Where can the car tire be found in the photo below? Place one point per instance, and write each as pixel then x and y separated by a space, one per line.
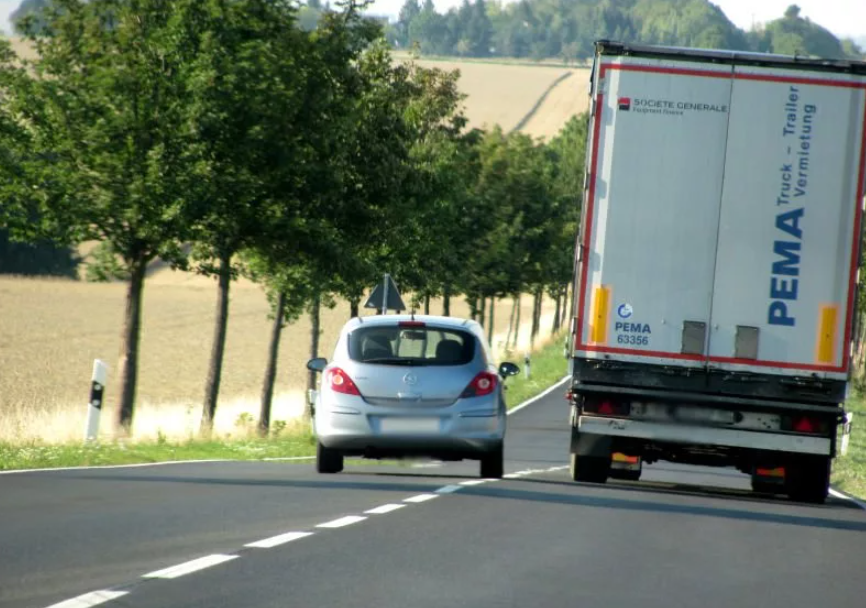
pixel 328 460
pixel 590 469
pixel 492 464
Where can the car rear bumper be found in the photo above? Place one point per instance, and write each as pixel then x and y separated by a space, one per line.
pixel 437 432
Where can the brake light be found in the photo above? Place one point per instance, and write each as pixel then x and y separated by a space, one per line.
pixel 605 406
pixel 806 424
pixel 482 384
pixel 340 382
pixel 411 324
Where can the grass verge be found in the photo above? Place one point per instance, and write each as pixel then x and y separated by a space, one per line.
pixel 41 456
pixel 849 471
pixel 547 365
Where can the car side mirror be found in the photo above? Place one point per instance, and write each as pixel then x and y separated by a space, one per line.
pixel 317 365
pixel 507 368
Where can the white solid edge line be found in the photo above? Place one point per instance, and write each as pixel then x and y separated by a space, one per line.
pixel 384 509
pixel 191 566
pixel 420 498
pixel 343 521
pixel 280 539
pixel 844 496
pixel 120 466
pixel 544 393
pixel 94 598
pixel 448 489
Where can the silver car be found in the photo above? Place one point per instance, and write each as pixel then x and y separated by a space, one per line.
pixel 410 386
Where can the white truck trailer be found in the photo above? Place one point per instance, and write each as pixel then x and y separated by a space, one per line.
pixel 717 264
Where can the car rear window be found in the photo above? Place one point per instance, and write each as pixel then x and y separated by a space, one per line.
pixel 393 345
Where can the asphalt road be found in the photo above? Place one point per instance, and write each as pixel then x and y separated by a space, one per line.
pixel 437 536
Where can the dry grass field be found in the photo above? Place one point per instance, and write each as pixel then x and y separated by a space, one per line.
pixel 504 94
pixel 52 330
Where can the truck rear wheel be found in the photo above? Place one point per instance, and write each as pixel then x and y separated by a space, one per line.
pixel 809 479
pixel 589 468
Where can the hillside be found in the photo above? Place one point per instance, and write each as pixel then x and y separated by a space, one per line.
pixel 540 29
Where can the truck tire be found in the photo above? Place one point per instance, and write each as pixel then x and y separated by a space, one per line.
pixel 625 475
pixel 328 460
pixel 809 479
pixel 591 469
pixel 492 466
pixel 762 487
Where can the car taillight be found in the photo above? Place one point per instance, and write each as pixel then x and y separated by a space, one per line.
pixel 604 406
pixel 340 382
pixel 482 384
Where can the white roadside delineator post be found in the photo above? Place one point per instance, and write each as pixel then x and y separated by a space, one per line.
pixel 94 408
pixel 846 432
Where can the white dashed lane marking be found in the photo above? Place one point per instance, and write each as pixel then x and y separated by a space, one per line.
pixel 191 566
pixel 278 540
pixel 448 489
pixel 420 498
pixel 94 598
pixel 343 521
pixel 384 509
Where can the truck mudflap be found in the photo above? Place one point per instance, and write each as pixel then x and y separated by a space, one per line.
pixel 702 435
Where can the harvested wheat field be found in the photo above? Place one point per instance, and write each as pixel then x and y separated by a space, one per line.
pixel 52 330
pixel 566 99
pixel 505 94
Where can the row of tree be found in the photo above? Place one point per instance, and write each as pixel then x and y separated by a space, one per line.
pixel 567 29
pixel 223 138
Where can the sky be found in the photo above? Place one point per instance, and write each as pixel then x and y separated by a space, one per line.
pixel 842 17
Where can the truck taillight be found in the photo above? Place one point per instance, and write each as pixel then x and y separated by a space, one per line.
pixel 802 423
pixel 340 382
pixel 605 406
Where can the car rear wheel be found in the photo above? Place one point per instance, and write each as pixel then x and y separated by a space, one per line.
pixel 492 466
pixel 328 460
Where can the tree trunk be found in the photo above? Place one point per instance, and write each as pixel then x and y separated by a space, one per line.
pixel 215 370
pixel 446 302
pixel 427 304
pixel 482 311
pixel 129 341
pixel 271 368
pixel 536 316
pixel 315 334
pixel 490 326
pixel 517 321
pixel 511 324
pixel 473 307
pixel 557 312
pixel 354 308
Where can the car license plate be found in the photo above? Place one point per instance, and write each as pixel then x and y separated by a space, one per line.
pixel 409 425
